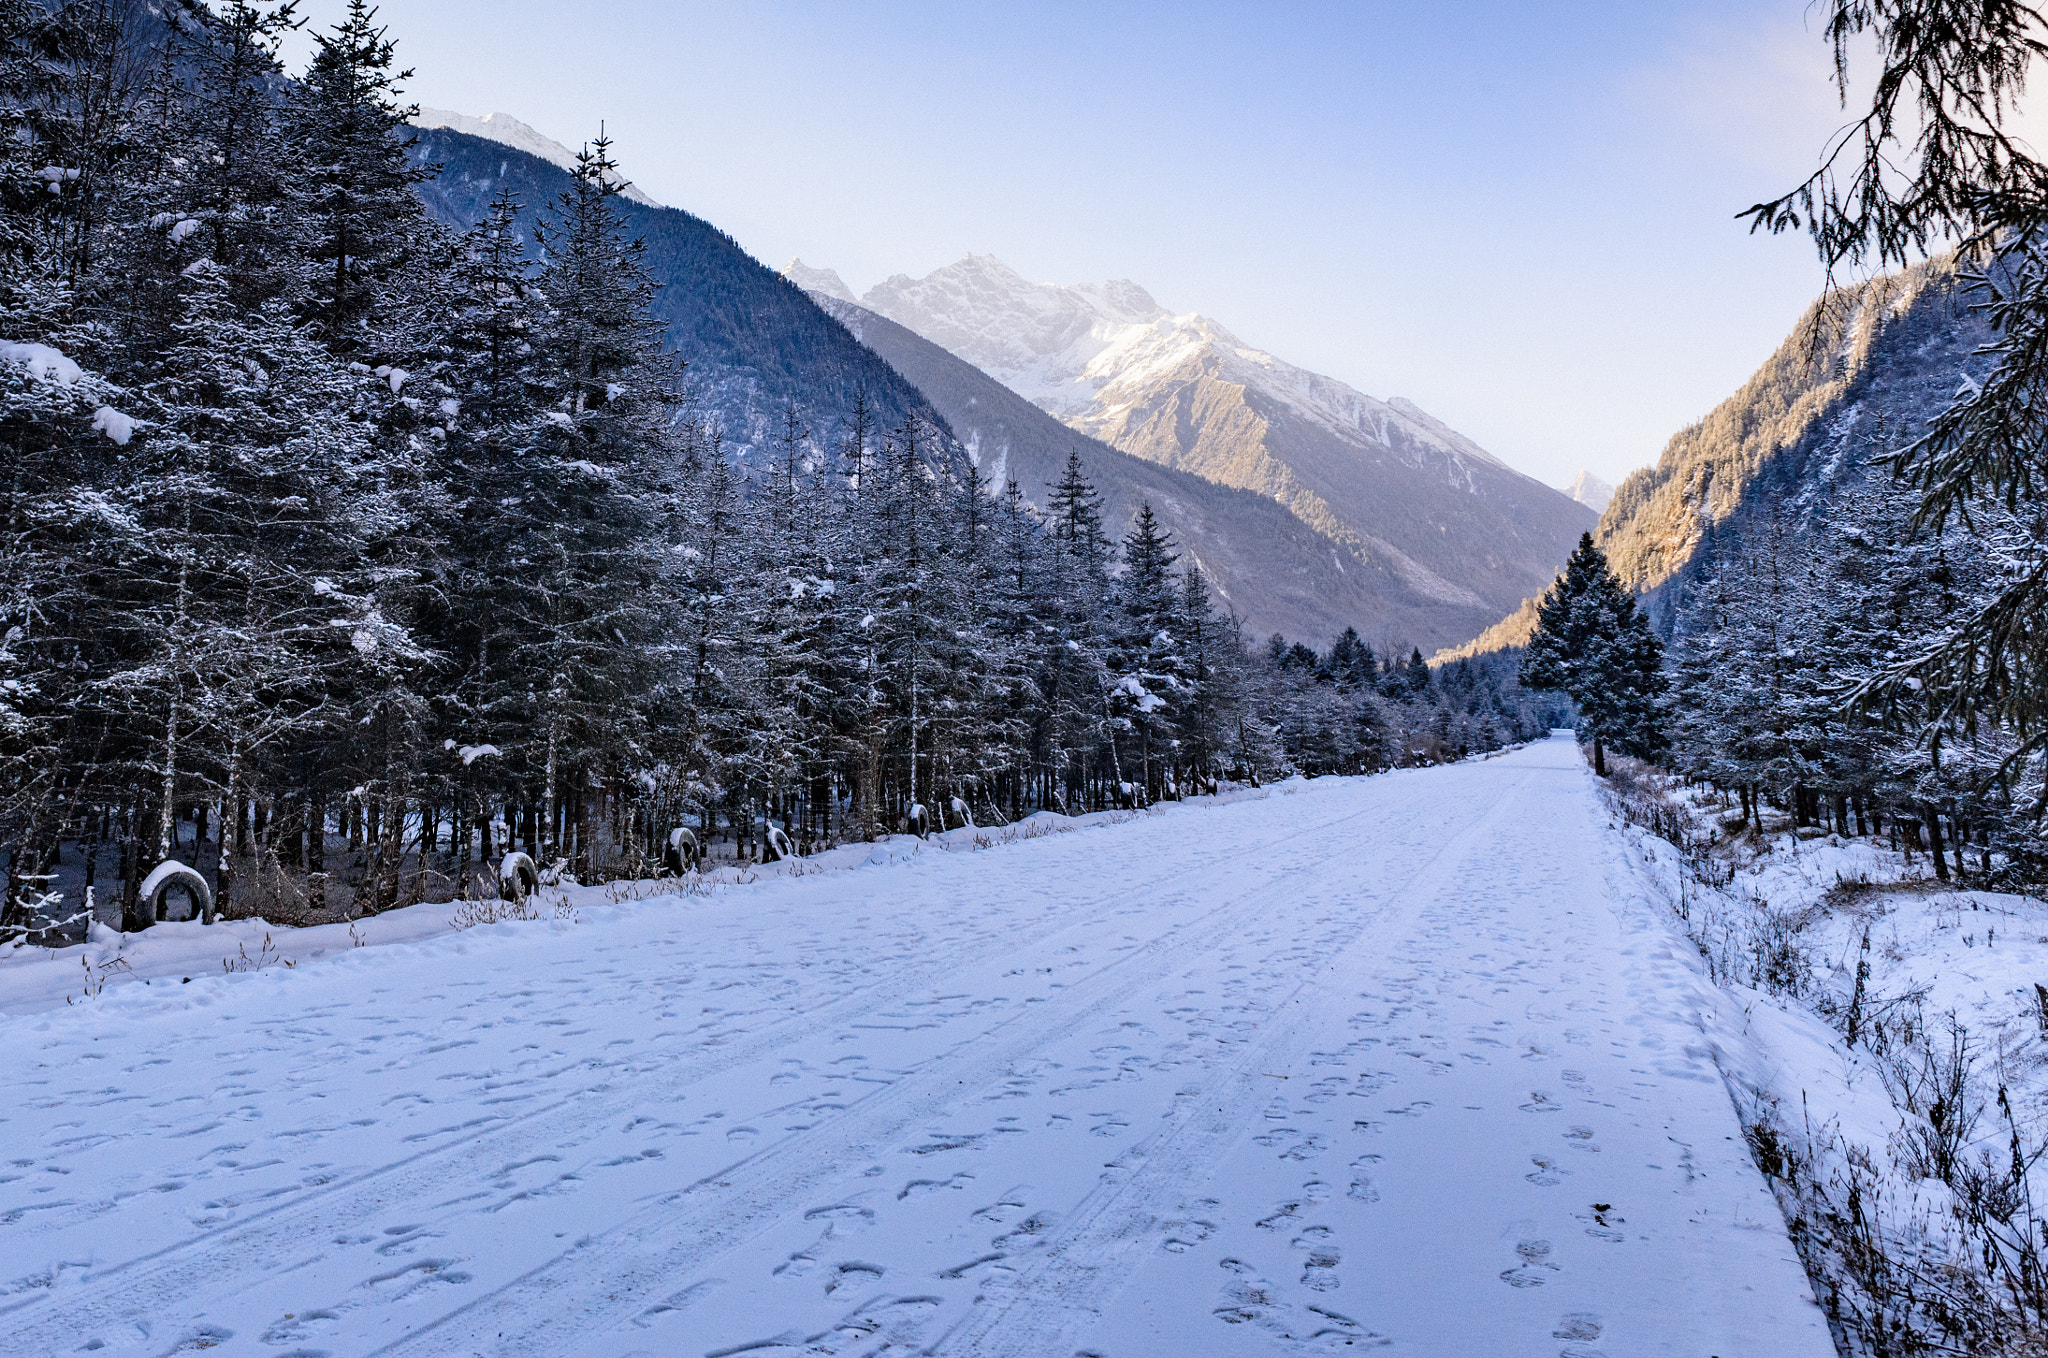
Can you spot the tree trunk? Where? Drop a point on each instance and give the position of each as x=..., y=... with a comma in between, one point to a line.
x=224, y=870
x=1599, y=758
x=1932, y=820
x=548, y=795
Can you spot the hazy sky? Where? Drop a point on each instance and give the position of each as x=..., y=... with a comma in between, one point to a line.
x=1519, y=215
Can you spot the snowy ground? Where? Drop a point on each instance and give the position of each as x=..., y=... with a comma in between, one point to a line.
x=1887, y=1036
x=1408, y=1061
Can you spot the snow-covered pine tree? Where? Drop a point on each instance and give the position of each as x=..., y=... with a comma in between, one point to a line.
x=1071, y=675
x=1592, y=643
x=356, y=206
x=231, y=171
x=583, y=542
x=1143, y=653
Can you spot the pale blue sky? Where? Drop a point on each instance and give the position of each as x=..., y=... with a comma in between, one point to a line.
x=1518, y=215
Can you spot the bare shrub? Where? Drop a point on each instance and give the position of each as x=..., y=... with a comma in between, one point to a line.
x=96, y=977
x=486, y=910
x=267, y=955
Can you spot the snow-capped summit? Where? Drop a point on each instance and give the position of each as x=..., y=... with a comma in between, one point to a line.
x=509, y=131
x=1037, y=339
x=1181, y=389
x=826, y=282
x=1087, y=352
x=1590, y=491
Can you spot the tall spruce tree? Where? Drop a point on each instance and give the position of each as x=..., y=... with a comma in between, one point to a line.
x=364, y=223
x=1595, y=645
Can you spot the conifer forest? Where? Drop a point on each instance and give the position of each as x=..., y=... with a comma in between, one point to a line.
x=342, y=553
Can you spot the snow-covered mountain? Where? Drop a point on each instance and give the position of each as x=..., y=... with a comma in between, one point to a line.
x=822, y=282
x=507, y=130
x=1590, y=491
x=1180, y=389
x=1267, y=566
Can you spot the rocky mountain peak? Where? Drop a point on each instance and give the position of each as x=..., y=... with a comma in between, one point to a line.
x=507, y=130
x=824, y=281
x=1590, y=491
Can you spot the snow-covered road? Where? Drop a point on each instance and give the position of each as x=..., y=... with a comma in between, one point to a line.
x=1401, y=1061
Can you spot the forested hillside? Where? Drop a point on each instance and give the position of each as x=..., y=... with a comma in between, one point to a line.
x=1792, y=574
x=754, y=343
x=1867, y=365
x=1808, y=576
x=345, y=550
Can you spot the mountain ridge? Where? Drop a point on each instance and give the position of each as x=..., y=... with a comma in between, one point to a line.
x=507, y=130
x=1276, y=572
x=1864, y=368
x=752, y=340
x=1382, y=477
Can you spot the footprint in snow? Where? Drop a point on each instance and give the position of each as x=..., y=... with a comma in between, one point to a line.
x=1037, y=1224
x=299, y=1325
x=1248, y=1297
x=796, y=1266
x=960, y=1180
x=1001, y=1210
x=852, y=1271
x=1307, y=1148
x=1547, y=1174
x=402, y=1283
x=1578, y=1327
x=1535, y=1256
x=1318, y=1273
x=845, y=1212
x=1540, y=1102
x=1581, y=1139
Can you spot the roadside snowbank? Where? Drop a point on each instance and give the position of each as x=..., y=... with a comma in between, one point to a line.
x=33, y=979
x=1885, y=1036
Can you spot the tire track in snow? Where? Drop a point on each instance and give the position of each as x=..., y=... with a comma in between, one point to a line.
x=605, y=1280
x=268, y=1241
x=1089, y=1260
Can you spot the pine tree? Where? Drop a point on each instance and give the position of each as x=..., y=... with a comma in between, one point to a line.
x=583, y=609
x=363, y=221
x=231, y=171
x=1592, y=643
x=1143, y=653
